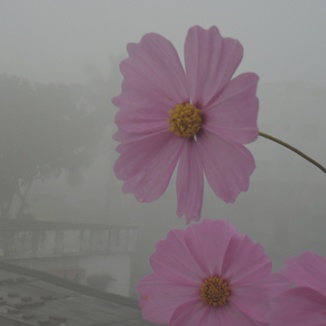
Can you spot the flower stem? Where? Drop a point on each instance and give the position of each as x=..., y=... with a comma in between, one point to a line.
x=295, y=150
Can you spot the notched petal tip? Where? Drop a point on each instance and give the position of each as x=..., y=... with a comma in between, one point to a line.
x=189, y=215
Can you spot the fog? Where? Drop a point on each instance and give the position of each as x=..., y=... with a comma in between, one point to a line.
x=78, y=44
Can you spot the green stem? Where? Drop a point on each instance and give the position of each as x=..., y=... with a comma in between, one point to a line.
x=295, y=150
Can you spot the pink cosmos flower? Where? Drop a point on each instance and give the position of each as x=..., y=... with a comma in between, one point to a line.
x=304, y=305
x=195, y=117
x=208, y=275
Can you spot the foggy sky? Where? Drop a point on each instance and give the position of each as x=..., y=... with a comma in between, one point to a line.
x=47, y=40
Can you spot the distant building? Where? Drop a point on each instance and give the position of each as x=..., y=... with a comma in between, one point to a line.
x=34, y=298
x=97, y=255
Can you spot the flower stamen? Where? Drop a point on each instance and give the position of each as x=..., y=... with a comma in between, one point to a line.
x=185, y=120
x=214, y=291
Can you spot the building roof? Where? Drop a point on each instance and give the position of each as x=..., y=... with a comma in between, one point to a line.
x=34, y=298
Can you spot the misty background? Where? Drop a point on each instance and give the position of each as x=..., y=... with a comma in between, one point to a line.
x=59, y=71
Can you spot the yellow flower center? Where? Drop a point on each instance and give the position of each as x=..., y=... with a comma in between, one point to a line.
x=185, y=120
x=214, y=291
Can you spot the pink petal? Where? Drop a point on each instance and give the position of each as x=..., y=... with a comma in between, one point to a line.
x=245, y=262
x=239, y=318
x=154, y=70
x=227, y=165
x=208, y=243
x=233, y=115
x=254, y=300
x=133, y=98
x=159, y=298
x=141, y=121
x=273, y=284
x=195, y=313
x=146, y=165
x=174, y=262
x=220, y=316
x=190, y=183
x=298, y=307
x=210, y=61
x=307, y=269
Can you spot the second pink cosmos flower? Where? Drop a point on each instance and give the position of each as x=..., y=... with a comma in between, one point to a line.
x=197, y=117
x=208, y=275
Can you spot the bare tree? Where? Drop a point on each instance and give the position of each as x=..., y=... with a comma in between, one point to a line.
x=44, y=129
